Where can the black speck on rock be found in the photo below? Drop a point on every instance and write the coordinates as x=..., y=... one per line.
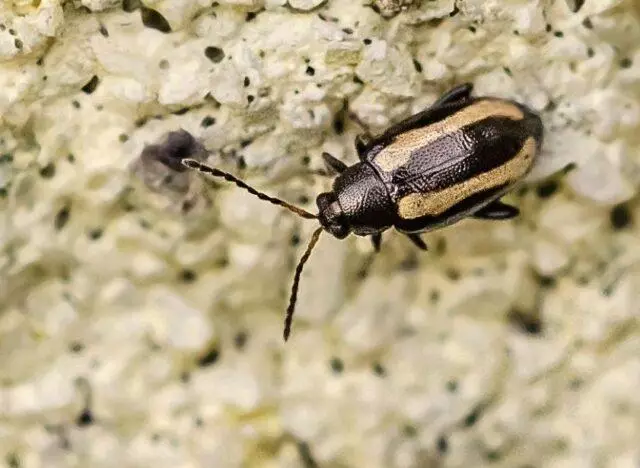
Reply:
x=91, y=85
x=213, y=53
x=154, y=20
x=620, y=217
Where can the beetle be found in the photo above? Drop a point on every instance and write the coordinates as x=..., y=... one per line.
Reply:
x=453, y=160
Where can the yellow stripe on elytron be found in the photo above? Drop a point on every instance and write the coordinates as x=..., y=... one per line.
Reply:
x=398, y=153
x=417, y=205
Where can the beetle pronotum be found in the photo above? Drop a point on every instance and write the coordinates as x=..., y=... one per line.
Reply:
x=455, y=159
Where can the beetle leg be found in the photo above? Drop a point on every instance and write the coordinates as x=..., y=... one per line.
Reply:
x=333, y=165
x=459, y=93
x=417, y=241
x=376, y=240
x=363, y=139
x=497, y=210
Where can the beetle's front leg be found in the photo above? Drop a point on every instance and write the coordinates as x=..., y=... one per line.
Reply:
x=363, y=139
x=334, y=165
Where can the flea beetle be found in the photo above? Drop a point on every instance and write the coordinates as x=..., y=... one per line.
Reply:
x=453, y=160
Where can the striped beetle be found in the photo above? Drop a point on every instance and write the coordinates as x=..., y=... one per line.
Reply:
x=455, y=159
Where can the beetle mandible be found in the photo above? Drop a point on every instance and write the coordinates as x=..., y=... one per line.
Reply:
x=453, y=160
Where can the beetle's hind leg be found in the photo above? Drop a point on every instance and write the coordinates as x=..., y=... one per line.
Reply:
x=459, y=93
x=417, y=241
x=496, y=211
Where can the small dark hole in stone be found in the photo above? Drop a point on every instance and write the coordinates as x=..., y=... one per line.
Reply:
x=240, y=340
x=379, y=370
x=18, y=43
x=85, y=418
x=575, y=5
x=366, y=41
x=337, y=366
x=626, y=62
x=453, y=274
x=209, y=358
x=247, y=81
x=472, y=418
x=131, y=5
x=620, y=217
x=587, y=23
x=188, y=276
x=250, y=98
x=417, y=65
x=62, y=217
x=558, y=34
x=103, y=30
x=434, y=296
x=215, y=54
x=310, y=71
x=546, y=281
x=251, y=16
x=154, y=20
x=442, y=444
x=76, y=347
x=208, y=121
x=91, y=86
x=48, y=171
x=529, y=323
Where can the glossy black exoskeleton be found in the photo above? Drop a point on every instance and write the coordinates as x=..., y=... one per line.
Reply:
x=455, y=159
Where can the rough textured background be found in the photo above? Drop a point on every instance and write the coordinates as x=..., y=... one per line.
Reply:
x=140, y=317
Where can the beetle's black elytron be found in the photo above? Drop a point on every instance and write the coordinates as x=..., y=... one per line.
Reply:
x=455, y=159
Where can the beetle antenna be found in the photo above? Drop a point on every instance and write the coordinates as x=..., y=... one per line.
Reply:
x=296, y=282
x=204, y=169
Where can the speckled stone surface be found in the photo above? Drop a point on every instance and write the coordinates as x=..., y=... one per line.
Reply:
x=141, y=310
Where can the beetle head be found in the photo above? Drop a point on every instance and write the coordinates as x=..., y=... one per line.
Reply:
x=331, y=216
